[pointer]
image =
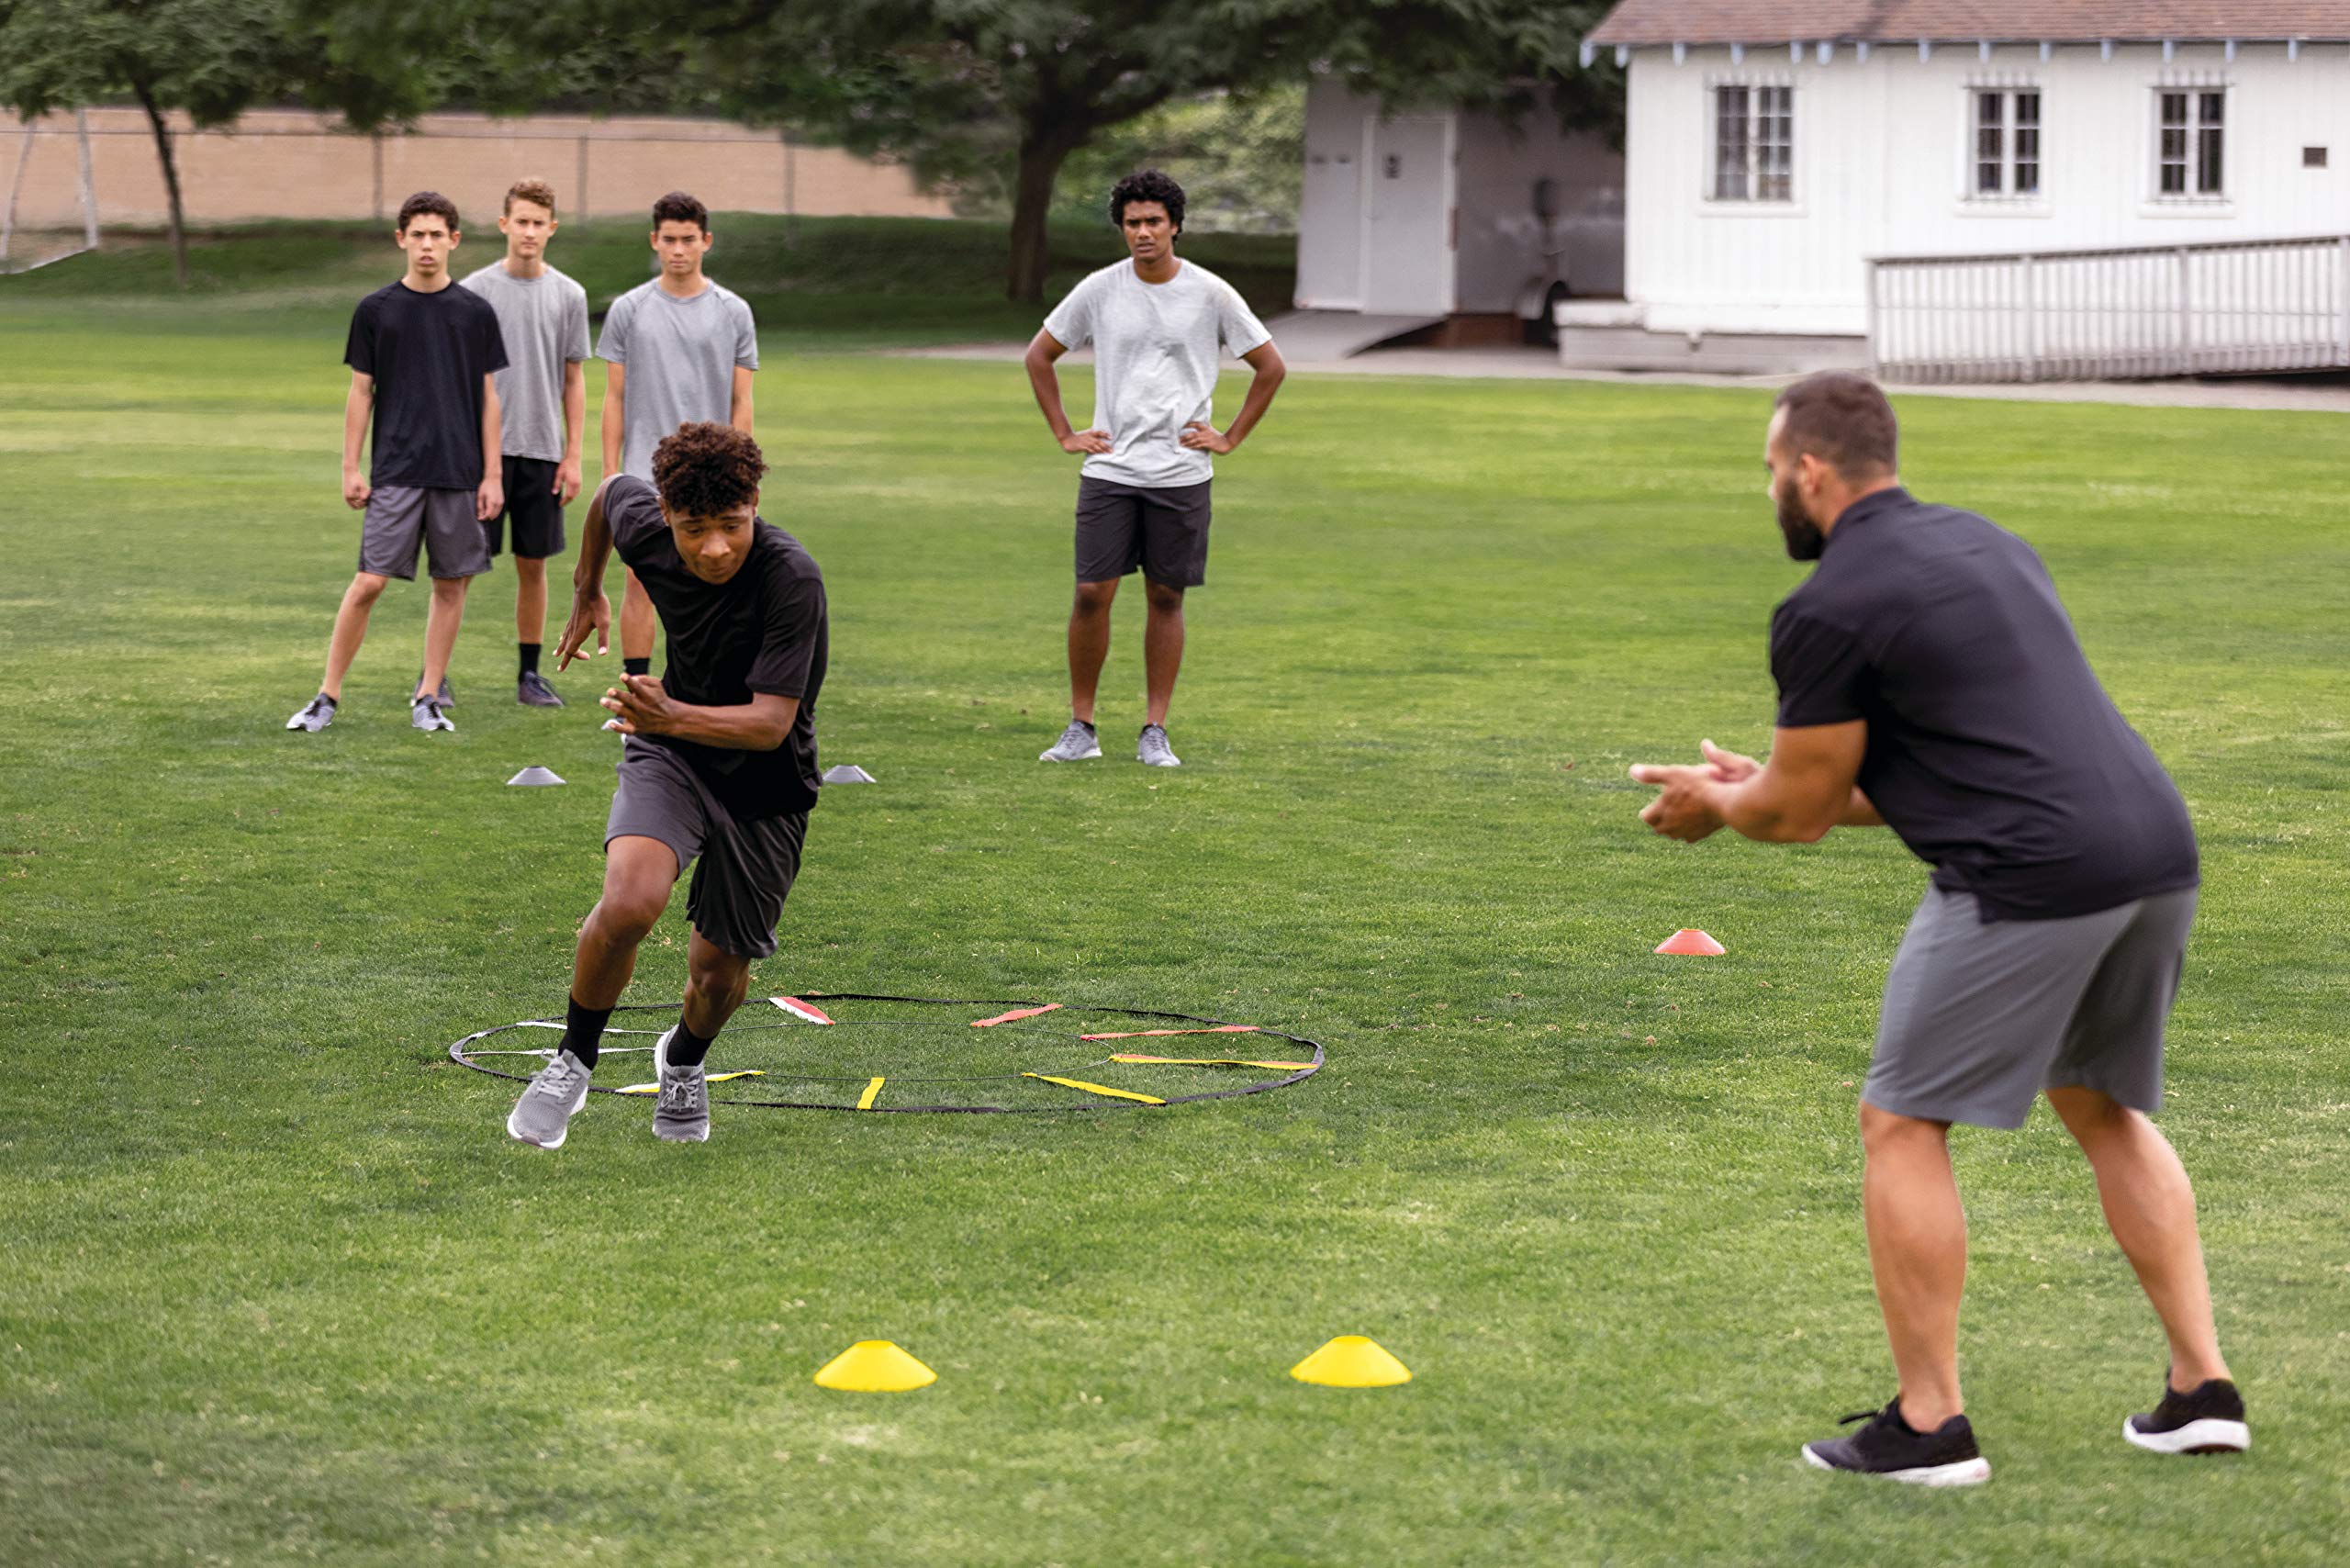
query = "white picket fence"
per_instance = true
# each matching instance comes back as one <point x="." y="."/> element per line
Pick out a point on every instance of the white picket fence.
<point x="2240" y="307"/>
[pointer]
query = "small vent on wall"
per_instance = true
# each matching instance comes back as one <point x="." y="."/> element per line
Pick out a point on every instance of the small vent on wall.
<point x="2313" y="157"/>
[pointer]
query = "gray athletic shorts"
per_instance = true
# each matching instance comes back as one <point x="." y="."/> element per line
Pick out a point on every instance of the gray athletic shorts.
<point x="742" y="871"/>
<point x="402" y="517"/>
<point x="1163" y="530"/>
<point x="1980" y="1017"/>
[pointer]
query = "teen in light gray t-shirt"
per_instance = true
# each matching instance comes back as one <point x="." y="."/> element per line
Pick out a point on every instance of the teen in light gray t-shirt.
<point x="1155" y="349"/>
<point x="681" y="356"/>
<point x="545" y="322"/>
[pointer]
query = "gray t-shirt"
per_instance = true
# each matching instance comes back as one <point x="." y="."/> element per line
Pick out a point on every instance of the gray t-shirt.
<point x="681" y="356"/>
<point x="545" y="322"/>
<point x="1155" y="357"/>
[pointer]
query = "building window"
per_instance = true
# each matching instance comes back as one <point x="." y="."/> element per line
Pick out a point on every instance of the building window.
<point x="1754" y="143"/>
<point x="2313" y="157"/>
<point x="2006" y="142"/>
<point x="2191" y="151"/>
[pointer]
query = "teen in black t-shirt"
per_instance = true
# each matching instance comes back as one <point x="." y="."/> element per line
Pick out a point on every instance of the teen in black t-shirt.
<point x="717" y="767"/>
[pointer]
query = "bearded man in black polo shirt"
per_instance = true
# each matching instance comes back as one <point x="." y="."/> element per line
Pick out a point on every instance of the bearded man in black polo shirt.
<point x="718" y="760"/>
<point x="1929" y="681"/>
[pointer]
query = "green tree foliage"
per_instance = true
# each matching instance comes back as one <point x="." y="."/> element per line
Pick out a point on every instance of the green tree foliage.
<point x="1239" y="158"/>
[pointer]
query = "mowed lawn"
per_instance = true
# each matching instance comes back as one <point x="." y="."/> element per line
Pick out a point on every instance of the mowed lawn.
<point x="274" y="1286"/>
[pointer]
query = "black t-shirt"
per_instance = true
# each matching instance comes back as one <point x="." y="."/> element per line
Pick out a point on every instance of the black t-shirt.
<point x="761" y="630"/>
<point x="428" y="353"/>
<point x="1992" y="750"/>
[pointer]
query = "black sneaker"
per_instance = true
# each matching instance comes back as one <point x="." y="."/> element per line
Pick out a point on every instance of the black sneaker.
<point x="1888" y="1446"/>
<point x="2210" y="1420"/>
<point x="531" y="691"/>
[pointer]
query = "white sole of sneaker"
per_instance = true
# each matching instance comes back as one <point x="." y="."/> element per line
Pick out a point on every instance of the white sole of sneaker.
<point x="2206" y="1435"/>
<point x="1088" y="757"/>
<point x="1965" y="1473"/>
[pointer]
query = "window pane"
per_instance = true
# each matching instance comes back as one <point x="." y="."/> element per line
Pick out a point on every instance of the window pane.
<point x="1730" y="143"/>
<point x="2174" y="109"/>
<point x="2207" y="167"/>
<point x="2027" y="177"/>
<point x="2026" y="111"/>
<point x="2214" y="107"/>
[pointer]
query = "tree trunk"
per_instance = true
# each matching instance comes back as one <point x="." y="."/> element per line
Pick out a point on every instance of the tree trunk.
<point x="1041" y="156"/>
<point x="170" y="178"/>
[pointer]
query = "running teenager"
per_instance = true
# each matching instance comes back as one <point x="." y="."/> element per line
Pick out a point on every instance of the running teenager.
<point x="1157" y="323"/>
<point x="676" y="351"/>
<point x="543" y="412"/>
<point x="719" y="769"/>
<point x="423" y="358"/>
<point x="1929" y="681"/>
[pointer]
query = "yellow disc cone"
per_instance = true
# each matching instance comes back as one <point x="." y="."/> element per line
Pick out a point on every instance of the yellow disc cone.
<point x="874" y="1366"/>
<point x="1351" y="1361"/>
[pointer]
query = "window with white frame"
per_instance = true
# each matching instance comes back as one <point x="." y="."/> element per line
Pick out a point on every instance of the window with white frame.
<point x="1754" y="129"/>
<point x="2190" y="145"/>
<point x="2006" y="160"/>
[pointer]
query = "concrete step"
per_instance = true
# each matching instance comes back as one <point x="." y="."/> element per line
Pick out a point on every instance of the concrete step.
<point x="1718" y="354"/>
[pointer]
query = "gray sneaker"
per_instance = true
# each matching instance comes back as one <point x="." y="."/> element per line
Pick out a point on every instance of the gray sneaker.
<point x="446" y="697"/>
<point x="681" y="1110"/>
<point x="533" y="691"/>
<point x="1077" y="744"/>
<point x="543" y="1116"/>
<point x="1152" y="750"/>
<point x="426" y="714"/>
<point x="316" y="715"/>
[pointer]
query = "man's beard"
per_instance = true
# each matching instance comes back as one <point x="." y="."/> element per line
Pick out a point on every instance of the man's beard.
<point x="1805" y="540"/>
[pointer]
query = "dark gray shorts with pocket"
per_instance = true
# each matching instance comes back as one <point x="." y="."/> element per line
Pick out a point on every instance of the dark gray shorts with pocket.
<point x="1164" y="531"/>
<point x="1980" y="1017"/>
<point x="742" y="871"/>
<point x="401" y="518"/>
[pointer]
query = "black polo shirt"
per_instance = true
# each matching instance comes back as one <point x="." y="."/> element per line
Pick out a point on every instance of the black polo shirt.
<point x="1992" y="750"/>
<point x="764" y="629"/>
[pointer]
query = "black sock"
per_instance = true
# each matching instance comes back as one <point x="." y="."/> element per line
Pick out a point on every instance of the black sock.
<point x="583" y="1032"/>
<point x="328" y="700"/>
<point x="686" y="1048"/>
<point x="530" y="657"/>
<point x="1087" y="723"/>
<point x="636" y="666"/>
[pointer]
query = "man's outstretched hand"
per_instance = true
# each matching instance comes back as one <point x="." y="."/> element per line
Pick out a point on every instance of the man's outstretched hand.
<point x="1685" y="807"/>
<point x="586" y="615"/>
<point x="639" y="706"/>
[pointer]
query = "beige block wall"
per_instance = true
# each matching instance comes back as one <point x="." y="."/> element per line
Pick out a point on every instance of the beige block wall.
<point x="291" y="164"/>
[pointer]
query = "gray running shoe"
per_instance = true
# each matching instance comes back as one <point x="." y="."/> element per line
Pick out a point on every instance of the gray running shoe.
<point x="1152" y="750"/>
<point x="446" y="697"/>
<point x="1076" y="742"/>
<point x="681" y="1109"/>
<point x="316" y="715"/>
<point x="426" y="715"/>
<point x="533" y="691"/>
<point x="543" y="1116"/>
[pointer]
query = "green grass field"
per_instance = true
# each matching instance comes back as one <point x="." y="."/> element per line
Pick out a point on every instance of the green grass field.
<point x="274" y="1287"/>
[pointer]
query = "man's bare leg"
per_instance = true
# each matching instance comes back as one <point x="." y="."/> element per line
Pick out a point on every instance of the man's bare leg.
<point x="2150" y="1207"/>
<point x="530" y="599"/>
<point x="1918" y="1254"/>
<point x="349" y="628"/>
<point x="441" y="623"/>
<point x="716" y="981"/>
<point x="639" y="622"/>
<point x="1163" y="649"/>
<point x="638" y="874"/>
<point x="1089" y="645"/>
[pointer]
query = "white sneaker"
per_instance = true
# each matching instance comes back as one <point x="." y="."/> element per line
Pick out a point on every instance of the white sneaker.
<point x="1152" y="750"/>
<point x="426" y="714"/>
<point x="1076" y="742"/>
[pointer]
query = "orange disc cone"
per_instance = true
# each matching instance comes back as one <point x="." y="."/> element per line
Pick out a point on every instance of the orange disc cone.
<point x="1690" y="940"/>
<point x="874" y="1366"/>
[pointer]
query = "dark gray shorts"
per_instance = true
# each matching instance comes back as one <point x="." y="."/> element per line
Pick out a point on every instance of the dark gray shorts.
<point x="400" y="517"/>
<point x="1979" y="1018"/>
<point x="742" y="871"/>
<point x="1164" y="531"/>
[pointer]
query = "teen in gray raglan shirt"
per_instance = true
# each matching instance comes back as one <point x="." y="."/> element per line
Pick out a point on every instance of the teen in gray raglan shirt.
<point x="679" y="350"/>
<point x="1159" y="325"/>
<point x="543" y="393"/>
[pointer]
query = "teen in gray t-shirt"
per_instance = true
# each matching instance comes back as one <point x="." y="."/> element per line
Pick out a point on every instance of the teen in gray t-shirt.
<point x="1155" y="349"/>
<point x="681" y="356"/>
<point x="545" y="322"/>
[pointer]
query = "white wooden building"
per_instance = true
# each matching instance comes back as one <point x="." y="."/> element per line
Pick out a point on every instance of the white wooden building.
<point x="1413" y="215"/>
<point x="2118" y="157"/>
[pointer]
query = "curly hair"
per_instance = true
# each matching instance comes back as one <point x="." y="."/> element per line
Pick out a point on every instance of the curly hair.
<point x="535" y="191"/>
<point x="1148" y="184"/>
<point x="423" y="201"/>
<point x="706" y="470"/>
<point x="678" y="207"/>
